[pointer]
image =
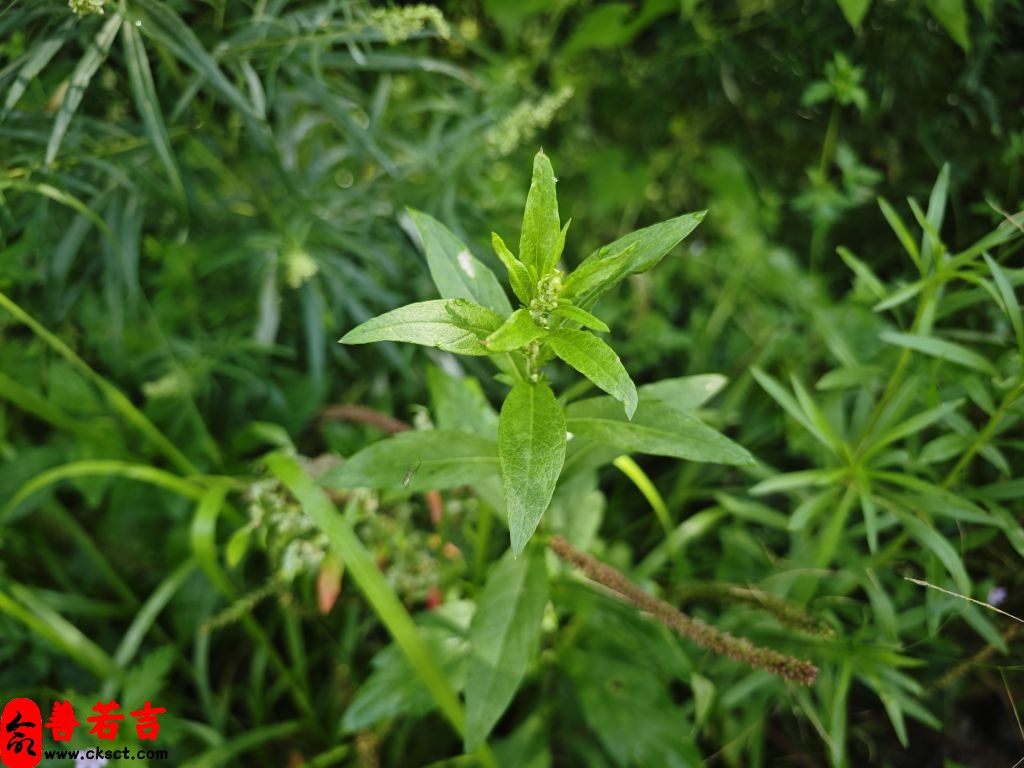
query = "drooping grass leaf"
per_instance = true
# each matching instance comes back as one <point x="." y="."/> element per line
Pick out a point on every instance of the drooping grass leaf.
<point x="363" y="568"/>
<point x="91" y="61"/>
<point x="148" y="104"/>
<point x="940" y="348"/>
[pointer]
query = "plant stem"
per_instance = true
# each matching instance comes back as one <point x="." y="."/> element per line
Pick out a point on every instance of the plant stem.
<point x="982" y="437"/>
<point x="736" y="648"/>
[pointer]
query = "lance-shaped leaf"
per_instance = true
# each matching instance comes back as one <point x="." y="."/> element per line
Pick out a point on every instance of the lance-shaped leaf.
<point x="656" y="428"/>
<point x="504" y="637"/>
<point x="597" y="361"/>
<point x="518" y="275"/>
<point x="531" y="450"/>
<point x="428" y="460"/>
<point x="629" y="255"/>
<point x="581" y="316"/>
<point x="455" y="271"/>
<point x="940" y="348"/>
<point x="517" y="331"/>
<point x="686" y="393"/>
<point x="540" y="233"/>
<point x="454" y="325"/>
<point x="556" y="253"/>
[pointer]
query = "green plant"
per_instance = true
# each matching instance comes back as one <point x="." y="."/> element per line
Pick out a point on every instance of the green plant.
<point x="475" y="318"/>
<point x="540" y="440"/>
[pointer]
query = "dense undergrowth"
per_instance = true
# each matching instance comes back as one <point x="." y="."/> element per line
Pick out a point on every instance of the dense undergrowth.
<point x="198" y="200"/>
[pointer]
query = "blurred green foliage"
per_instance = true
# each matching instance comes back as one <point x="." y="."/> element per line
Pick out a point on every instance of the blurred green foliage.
<point x="198" y="199"/>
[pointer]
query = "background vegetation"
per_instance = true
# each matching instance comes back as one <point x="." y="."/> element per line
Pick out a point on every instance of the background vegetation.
<point x="198" y="199"/>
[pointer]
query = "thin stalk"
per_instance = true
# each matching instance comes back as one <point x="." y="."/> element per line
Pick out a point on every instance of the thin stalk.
<point x="736" y="648"/>
<point x="982" y="437"/>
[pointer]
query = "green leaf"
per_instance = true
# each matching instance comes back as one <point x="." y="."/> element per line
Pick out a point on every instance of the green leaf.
<point x="915" y="424"/>
<point x="367" y="575"/>
<point x="952" y="14"/>
<point x="636" y="252"/>
<point x="518" y="275"/>
<point x="460" y="403"/>
<point x="540" y="234"/>
<point x="531" y="450"/>
<point x="169" y="30"/>
<point x="932" y="540"/>
<point x="148" y="104"/>
<point x="556" y="253"/>
<point x="897" y="225"/>
<point x="454" y="325"/>
<point x="581" y="316"/>
<point x="517" y="331"/>
<point x="940" y="348"/>
<point x="1010" y="305"/>
<point x="91" y="60"/>
<point x="867" y="275"/>
<point x="455" y="271"/>
<point x="854" y="10"/>
<point x="685" y="393"/>
<point x="598" y="362"/>
<point x="427" y="460"/>
<point x="504" y="637"/>
<point x="812" y="422"/>
<point x="656" y="428"/>
<point x="394" y="690"/>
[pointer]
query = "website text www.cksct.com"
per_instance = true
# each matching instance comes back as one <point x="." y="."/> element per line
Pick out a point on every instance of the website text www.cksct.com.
<point x="98" y="753"/>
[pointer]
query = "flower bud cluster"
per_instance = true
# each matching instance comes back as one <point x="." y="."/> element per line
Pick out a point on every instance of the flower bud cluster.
<point x="548" y="290"/>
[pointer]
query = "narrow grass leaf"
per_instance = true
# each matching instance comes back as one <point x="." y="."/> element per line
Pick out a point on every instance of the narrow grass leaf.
<point x="1010" y="305"/>
<point x="791" y="406"/>
<point x="41" y="53"/>
<point x="93" y="58"/>
<point x="938" y="545"/>
<point x="166" y="28"/>
<point x="362" y="567"/>
<point x="117" y="400"/>
<point x="940" y="348"/>
<point x="902" y="233"/>
<point x="102" y="468"/>
<point x="21" y="604"/>
<point x="144" y="91"/>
